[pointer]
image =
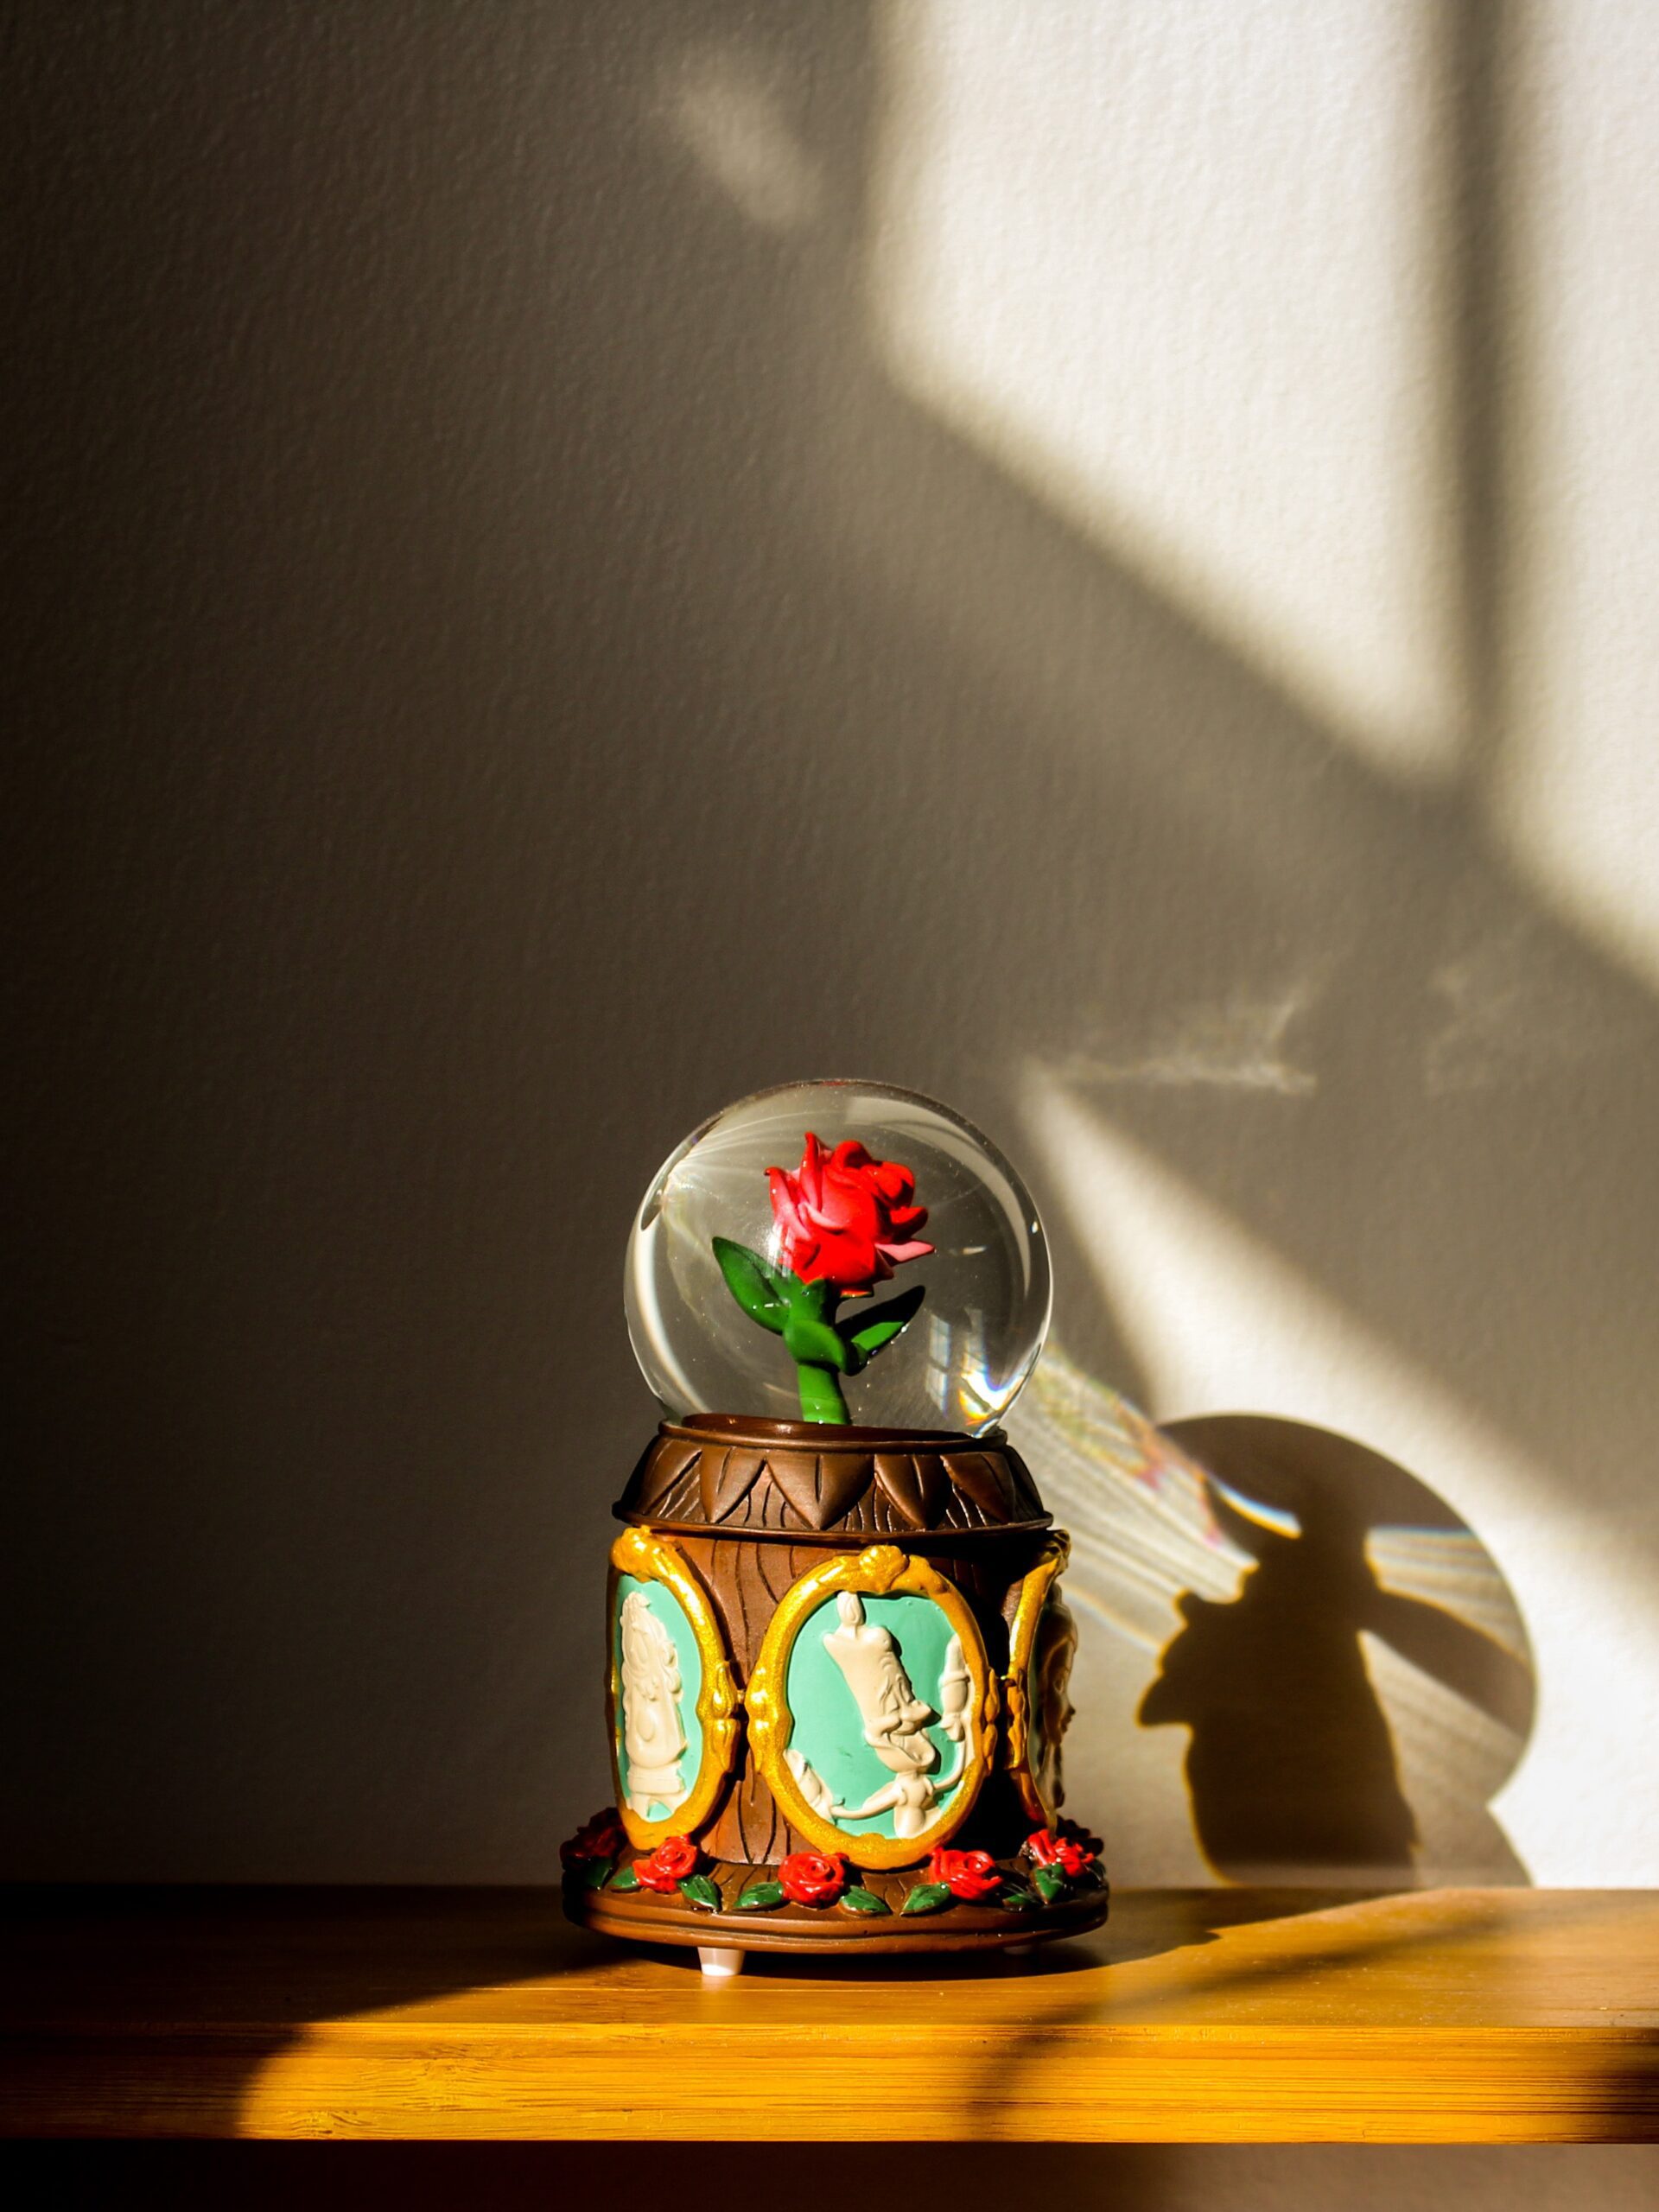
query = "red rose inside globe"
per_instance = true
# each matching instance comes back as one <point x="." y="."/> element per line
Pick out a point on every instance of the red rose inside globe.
<point x="845" y="1219"/>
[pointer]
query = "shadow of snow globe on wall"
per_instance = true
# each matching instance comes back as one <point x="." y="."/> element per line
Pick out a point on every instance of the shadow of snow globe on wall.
<point x="838" y="1251"/>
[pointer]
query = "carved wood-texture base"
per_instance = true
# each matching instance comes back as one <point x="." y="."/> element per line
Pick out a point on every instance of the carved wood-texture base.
<point x="749" y="1509"/>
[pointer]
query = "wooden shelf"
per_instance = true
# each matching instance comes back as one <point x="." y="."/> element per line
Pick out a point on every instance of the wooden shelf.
<point x="1472" y="2016"/>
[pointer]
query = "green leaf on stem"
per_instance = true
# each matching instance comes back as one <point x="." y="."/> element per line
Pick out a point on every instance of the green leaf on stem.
<point x="750" y="1282"/>
<point x="883" y="1323"/>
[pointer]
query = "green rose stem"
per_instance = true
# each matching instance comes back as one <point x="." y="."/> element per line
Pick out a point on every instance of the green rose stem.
<point x="821" y="1398"/>
<point x="803" y="1315"/>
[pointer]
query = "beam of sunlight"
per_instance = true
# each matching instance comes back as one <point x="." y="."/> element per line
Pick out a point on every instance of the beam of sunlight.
<point x="1217" y="1320"/>
<point x="1576" y="797"/>
<point x="1182" y="273"/>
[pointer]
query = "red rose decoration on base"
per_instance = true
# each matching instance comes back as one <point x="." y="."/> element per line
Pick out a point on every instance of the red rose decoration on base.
<point x="845" y="1219"/>
<point x="813" y="1876"/>
<point x="675" y="1858"/>
<point x="602" y="1837"/>
<point x="971" y="1876"/>
<point x="1070" y="1848"/>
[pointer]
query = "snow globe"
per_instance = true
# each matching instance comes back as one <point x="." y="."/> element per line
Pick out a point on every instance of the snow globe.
<point x="837" y="1651"/>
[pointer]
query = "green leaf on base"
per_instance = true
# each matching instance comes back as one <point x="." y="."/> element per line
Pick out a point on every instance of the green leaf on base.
<point x="926" y="1897"/>
<point x="857" y="1900"/>
<point x="698" y="1889"/>
<point x="761" y="1896"/>
<point x="627" y="1880"/>
<point x="596" y="1873"/>
<point x="1051" y="1882"/>
<point x="1019" y="1901"/>
<point x="751" y="1283"/>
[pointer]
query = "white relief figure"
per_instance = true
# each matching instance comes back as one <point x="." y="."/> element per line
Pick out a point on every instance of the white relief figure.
<point x="811" y="1783"/>
<point x="1051" y="1704"/>
<point x="896" y="1720"/>
<point x="955" y="1686"/>
<point x="653" y="1735"/>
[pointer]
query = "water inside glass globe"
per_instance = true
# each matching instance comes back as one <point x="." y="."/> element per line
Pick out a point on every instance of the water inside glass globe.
<point x="838" y="1251"/>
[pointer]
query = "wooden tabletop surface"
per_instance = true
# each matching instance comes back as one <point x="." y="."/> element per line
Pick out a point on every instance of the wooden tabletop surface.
<point x="1466" y="2016"/>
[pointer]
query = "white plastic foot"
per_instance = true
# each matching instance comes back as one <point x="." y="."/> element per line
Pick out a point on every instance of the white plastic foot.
<point x="719" y="1962"/>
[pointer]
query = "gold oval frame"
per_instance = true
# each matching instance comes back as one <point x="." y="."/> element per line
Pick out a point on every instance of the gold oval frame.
<point x="879" y="1570"/>
<point x="1022" y="1637"/>
<point x="651" y="1558"/>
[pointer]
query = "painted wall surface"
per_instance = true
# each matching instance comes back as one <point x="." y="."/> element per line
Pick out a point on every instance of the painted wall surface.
<point x="1091" y="559"/>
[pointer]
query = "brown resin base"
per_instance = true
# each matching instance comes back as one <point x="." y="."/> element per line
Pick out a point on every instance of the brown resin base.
<point x="745" y="1526"/>
<point x="644" y="1916"/>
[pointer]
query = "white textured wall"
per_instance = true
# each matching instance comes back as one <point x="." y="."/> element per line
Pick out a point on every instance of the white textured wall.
<point x="1093" y="559"/>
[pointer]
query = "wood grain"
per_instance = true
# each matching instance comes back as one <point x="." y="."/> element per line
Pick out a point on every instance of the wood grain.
<point x="1232" y="2016"/>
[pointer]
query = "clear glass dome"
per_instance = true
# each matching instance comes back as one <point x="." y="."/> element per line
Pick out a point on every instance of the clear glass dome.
<point x="838" y="1251"/>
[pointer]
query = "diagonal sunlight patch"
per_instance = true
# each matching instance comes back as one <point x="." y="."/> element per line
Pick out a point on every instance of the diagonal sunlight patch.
<point x="1575" y="796"/>
<point x="1182" y="274"/>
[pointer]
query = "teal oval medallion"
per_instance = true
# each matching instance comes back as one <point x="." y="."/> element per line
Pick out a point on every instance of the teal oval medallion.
<point x="879" y="1695"/>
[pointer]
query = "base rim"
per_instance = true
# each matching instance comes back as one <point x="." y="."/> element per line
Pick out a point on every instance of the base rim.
<point x="960" y="1927"/>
